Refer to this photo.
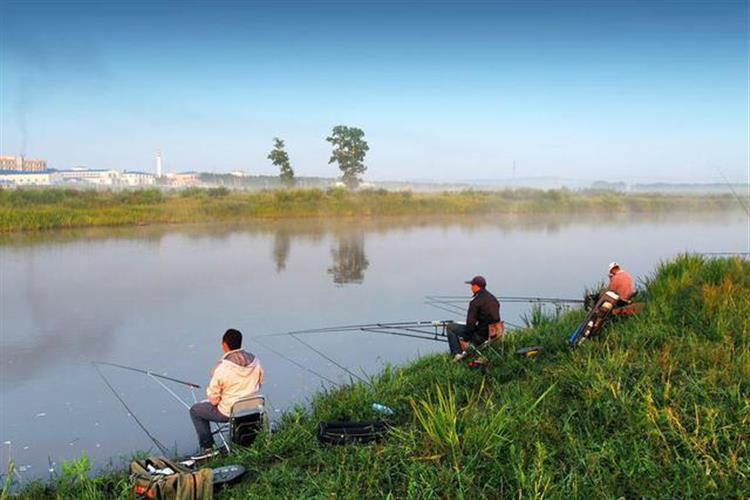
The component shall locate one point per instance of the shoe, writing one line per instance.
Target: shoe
(205, 454)
(458, 357)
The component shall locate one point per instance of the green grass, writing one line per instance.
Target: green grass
(658, 406)
(41, 209)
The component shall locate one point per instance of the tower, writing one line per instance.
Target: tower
(158, 165)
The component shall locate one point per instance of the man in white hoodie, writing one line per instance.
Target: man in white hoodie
(237, 375)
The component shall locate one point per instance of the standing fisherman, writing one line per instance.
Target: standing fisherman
(237, 375)
(484, 310)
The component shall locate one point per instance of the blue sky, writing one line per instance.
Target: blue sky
(444, 90)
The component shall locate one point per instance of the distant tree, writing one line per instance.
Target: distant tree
(349, 150)
(280, 158)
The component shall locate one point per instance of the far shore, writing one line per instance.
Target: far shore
(45, 209)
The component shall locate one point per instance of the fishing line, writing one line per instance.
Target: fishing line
(323, 355)
(295, 363)
(178, 398)
(161, 447)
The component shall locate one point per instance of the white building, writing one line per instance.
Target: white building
(137, 179)
(99, 177)
(20, 179)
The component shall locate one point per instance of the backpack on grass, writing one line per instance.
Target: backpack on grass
(161, 479)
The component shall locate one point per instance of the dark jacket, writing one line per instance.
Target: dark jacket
(484, 310)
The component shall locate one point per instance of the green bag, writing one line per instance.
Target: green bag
(161, 479)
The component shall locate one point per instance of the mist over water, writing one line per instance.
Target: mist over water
(161, 297)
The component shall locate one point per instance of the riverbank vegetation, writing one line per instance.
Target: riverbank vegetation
(658, 406)
(41, 209)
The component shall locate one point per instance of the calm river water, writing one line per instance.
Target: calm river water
(161, 297)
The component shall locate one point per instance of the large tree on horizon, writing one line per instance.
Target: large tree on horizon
(280, 158)
(349, 150)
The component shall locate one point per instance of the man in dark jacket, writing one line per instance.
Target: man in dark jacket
(484, 310)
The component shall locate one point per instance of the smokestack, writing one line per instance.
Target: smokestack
(158, 164)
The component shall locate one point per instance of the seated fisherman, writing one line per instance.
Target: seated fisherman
(237, 375)
(484, 310)
(621, 282)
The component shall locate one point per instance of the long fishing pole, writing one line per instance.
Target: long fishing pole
(447, 307)
(148, 372)
(153, 439)
(385, 328)
(399, 334)
(294, 362)
(456, 299)
(345, 328)
(736, 196)
(324, 356)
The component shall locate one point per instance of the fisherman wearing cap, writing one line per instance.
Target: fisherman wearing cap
(621, 282)
(484, 310)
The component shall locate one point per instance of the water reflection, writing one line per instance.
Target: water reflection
(158, 296)
(281, 243)
(349, 259)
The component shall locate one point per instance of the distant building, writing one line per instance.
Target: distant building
(99, 177)
(12, 178)
(184, 179)
(21, 164)
(137, 179)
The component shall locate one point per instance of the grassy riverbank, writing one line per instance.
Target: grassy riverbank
(657, 406)
(37, 209)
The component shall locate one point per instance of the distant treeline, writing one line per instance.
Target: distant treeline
(670, 187)
(38, 209)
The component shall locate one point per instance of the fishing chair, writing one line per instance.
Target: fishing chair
(247, 419)
(496, 334)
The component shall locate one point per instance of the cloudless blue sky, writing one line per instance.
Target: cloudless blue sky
(443, 90)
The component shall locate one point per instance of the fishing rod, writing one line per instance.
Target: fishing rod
(323, 355)
(386, 328)
(153, 439)
(294, 362)
(399, 334)
(398, 329)
(352, 328)
(155, 377)
(736, 196)
(148, 372)
(455, 299)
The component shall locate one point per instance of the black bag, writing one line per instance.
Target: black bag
(352, 432)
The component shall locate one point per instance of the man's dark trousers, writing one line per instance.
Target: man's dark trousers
(456, 333)
(202, 414)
